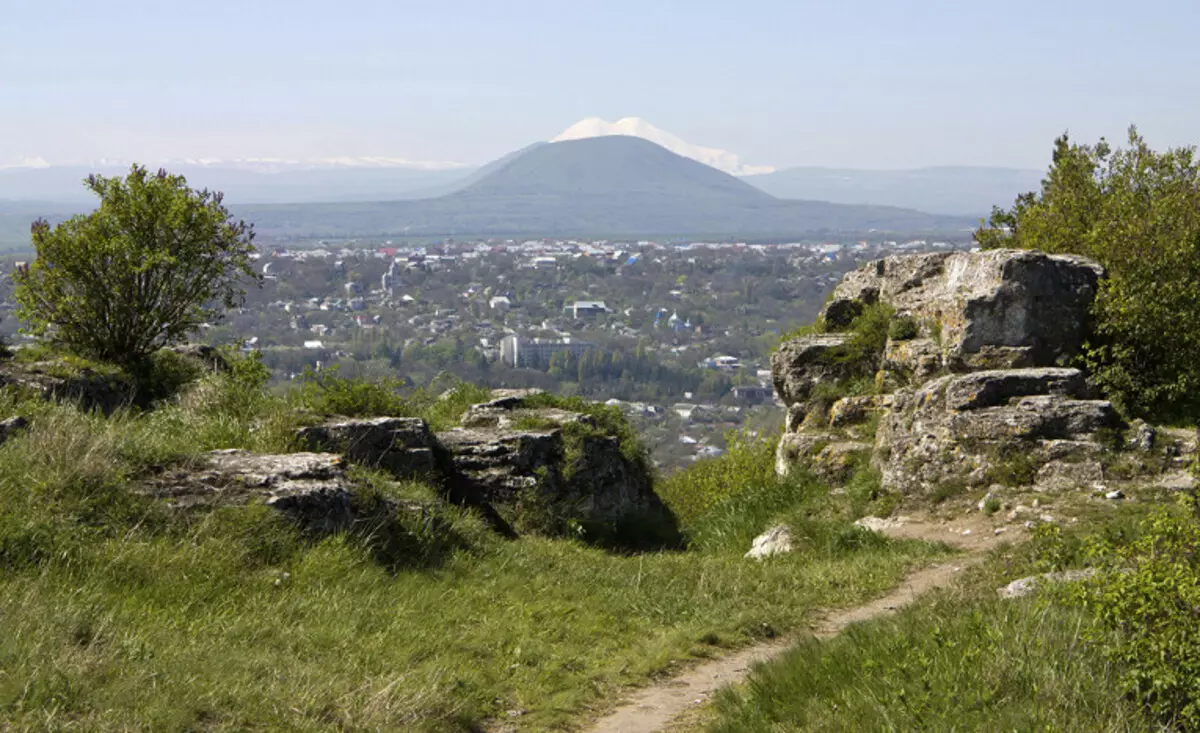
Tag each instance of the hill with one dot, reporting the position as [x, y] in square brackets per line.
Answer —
[953, 190]
[606, 186]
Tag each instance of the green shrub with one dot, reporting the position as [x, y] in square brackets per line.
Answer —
[149, 266]
[607, 420]
[445, 410]
[748, 462]
[327, 393]
[868, 337]
[1134, 211]
[1150, 596]
[1012, 465]
[904, 328]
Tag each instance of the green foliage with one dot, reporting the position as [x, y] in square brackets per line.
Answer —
[866, 494]
[327, 392]
[607, 420]
[903, 328]
[1137, 212]
[694, 492]
[151, 264]
[1149, 597]
[1012, 465]
[868, 337]
[445, 410]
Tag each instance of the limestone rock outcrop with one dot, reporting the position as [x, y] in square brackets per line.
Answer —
[527, 459]
[971, 387]
[521, 464]
[404, 446]
[312, 488]
[976, 310]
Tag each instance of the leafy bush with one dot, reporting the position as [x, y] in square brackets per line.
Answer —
[151, 264]
[868, 337]
[1137, 212]
[328, 393]
[1150, 596]
[904, 328]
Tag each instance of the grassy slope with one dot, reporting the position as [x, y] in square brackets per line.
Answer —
[120, 615]
[962, 659]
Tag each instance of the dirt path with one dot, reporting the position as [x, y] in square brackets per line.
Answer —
[659, 706]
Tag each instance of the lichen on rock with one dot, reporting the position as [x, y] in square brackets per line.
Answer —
[973, 386]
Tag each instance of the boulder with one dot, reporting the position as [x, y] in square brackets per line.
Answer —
[976, 393]
[959, 427]
[1144, 437]
[997, 387]
[311, 488]
[550, 462]
[993, 309]
[800, 364]
[403, 446]
[775, 541]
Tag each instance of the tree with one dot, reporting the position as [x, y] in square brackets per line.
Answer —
[1137, 212]
[149, 266]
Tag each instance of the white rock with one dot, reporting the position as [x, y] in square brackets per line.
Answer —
[1025, 586]
[775, 541]
[877, 524]
[1114, 495]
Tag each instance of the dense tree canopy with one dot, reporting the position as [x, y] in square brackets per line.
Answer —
[151, 264]
[1137, 212]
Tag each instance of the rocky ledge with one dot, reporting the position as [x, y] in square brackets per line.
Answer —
[971, 385]
[525, 466]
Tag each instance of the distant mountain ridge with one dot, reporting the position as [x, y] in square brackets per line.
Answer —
[610, 186]
[956, 190]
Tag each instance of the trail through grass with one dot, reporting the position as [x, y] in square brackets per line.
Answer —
[119, 614]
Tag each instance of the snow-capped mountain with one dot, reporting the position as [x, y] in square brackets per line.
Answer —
[635, 127]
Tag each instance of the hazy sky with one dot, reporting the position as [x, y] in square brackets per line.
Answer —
[856, 83]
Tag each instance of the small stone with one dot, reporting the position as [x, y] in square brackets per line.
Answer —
[1000, 530]
[983, 503]
[878, 524]
[775, 541]
[1025, 586]
[966, 532]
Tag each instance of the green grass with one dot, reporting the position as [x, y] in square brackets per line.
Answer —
[944, 665]
[961, 658]
[119, 614]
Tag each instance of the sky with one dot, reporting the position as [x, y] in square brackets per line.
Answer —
[839, 83]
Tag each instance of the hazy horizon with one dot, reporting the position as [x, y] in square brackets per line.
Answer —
[783, 84]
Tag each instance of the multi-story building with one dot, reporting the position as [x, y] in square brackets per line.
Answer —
[535, 353]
